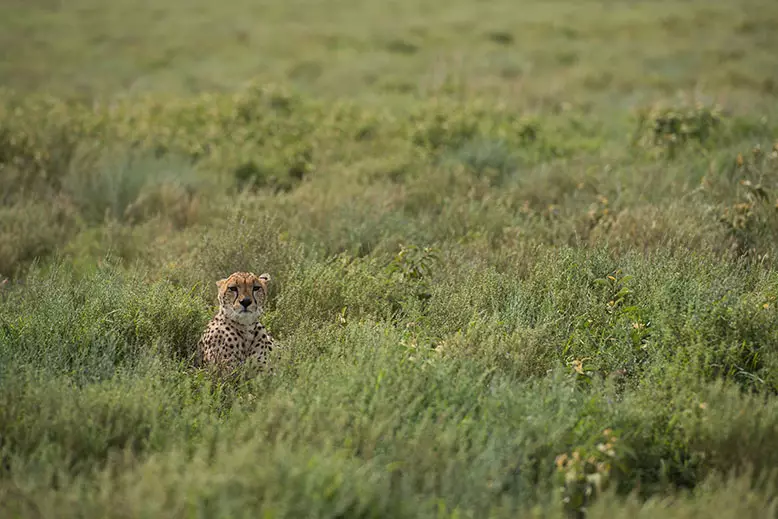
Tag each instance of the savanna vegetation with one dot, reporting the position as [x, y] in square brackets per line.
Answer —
[524, 257]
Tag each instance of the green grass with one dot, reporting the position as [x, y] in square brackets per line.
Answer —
[523, 258]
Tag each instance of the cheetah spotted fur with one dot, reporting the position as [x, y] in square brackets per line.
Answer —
[235, 335]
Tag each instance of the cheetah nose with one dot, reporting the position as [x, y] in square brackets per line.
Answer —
[246, 301]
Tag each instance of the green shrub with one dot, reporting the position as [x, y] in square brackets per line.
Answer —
[130, 188]
[31, 230]
[670, 129]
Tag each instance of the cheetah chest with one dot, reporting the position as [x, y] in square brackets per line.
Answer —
[227, 342]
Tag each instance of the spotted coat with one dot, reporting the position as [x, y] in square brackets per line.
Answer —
[235, 335]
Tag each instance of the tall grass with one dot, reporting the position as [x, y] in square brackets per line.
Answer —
[513, 273]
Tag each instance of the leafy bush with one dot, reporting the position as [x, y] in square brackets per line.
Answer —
[130, 188]
[32, 230]
[670, 129]
[751, 219]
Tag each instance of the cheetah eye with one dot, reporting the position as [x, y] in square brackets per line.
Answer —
[234, 289]
[256, 288]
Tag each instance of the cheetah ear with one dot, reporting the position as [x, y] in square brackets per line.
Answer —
[220, 283]
[265, 277]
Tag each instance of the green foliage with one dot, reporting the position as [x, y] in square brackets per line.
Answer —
[751, 217]
[32, 229]
[131, 188]
[586, 472]
[613, 324]
[410, 271]
[488, 302]
[671, 128]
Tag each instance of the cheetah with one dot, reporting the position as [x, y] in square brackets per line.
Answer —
[235, 335]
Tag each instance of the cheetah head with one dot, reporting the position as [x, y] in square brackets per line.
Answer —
[242, 295]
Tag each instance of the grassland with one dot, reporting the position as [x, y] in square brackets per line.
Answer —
[524, 257]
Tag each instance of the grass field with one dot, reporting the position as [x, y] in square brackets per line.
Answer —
[524, 257]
